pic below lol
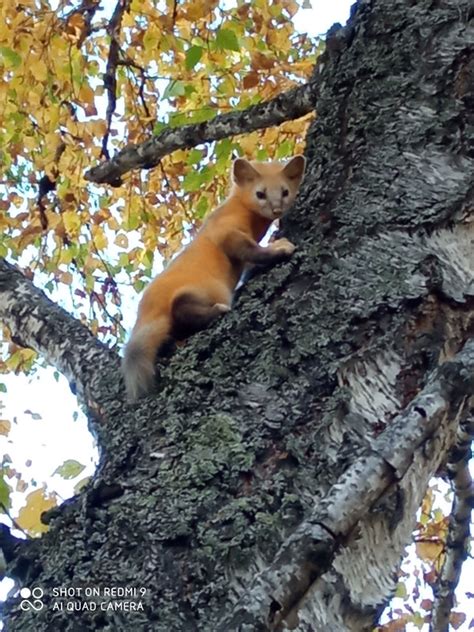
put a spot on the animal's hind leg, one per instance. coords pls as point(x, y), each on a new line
point(191, 313)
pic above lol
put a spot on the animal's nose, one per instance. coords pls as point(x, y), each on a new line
point(278, 211)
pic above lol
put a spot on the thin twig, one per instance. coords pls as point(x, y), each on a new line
point(458, 530)
point(14, 522)
point(110, 79)
point(129, 63)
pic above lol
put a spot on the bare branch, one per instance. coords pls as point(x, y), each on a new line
point(36, 322)
point(110, 79)
point(285, 107)
point(458, 532)
point(129, 63)
point(310, 550)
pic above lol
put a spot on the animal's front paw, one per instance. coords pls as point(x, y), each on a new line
point(221, 308)
point(282, 246)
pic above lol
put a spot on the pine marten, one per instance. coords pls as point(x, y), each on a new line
point(197, 286)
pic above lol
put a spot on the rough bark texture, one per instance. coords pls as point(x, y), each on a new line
point(273, 479)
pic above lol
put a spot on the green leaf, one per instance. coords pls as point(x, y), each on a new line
point(227, 40)
point(159, 127)
point(132, 221)
point(284, 149)
point(176, 119)
point(3, 387)
point(148, 257)
point(195, 156)
point(202, 207)
point(193, 55)
point(69, 469)
point(5, 490)
point(200, 115)
point(223, 149)
point(194, 180)
point(175, 88)
point(10, 56)
point(139, 285)
point(81, 484)
point(401, 591)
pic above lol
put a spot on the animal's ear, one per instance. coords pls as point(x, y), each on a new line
point(243, 172)
point(294, 168)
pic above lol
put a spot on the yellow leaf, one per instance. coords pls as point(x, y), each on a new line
point(72, 222)
point(427, 503)
point(22, 359)
point(75, 26)
point(121, 241)
point(39, 70)
point(197, 9)
point(29, 517)
point(97, 128)
point(86, 94)
point(429, 551)
point(66, 278)
point(5, 426)
point(100, 240)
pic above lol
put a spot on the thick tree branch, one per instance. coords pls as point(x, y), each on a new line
point(310, 550)
point(458, 532)
point(36, 322)
point(285, 107)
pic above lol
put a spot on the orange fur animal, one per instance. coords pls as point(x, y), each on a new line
point(197, 286)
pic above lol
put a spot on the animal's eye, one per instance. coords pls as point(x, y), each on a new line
point(261, 195)
point(285, 193)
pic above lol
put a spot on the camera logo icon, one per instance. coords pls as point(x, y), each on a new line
point(31, 599)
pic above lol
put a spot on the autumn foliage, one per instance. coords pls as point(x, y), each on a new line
point(80, 81)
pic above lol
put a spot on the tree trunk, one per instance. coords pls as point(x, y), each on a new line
point(274, 478)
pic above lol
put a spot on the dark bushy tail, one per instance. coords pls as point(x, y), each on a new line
point(138, 364)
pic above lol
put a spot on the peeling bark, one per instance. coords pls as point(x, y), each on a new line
point(402, 453)
point(274, 477)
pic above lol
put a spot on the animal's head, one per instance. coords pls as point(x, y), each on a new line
point(268, 188)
